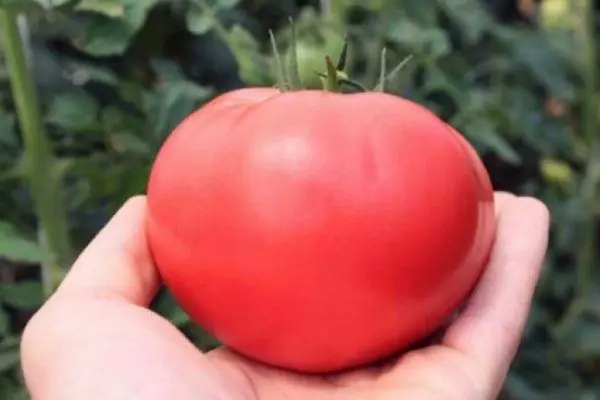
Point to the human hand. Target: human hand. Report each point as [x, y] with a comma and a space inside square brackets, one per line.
[95, 338]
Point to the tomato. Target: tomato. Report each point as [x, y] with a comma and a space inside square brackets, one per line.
[487, 221]
[318, 231]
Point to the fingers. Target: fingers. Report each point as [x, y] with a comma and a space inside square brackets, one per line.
[490, 328]
[117, 262]
[501, 199]
[95, 339]
[93, 348]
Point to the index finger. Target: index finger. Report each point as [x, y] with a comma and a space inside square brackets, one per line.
[489, 329]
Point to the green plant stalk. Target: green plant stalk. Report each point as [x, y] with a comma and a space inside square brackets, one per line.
[586, 255]
[587, 33]
[38, 159]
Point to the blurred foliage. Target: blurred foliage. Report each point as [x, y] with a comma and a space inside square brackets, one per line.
[518, 78]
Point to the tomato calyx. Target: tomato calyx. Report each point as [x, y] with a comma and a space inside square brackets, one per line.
[384, 76]
[335, 77]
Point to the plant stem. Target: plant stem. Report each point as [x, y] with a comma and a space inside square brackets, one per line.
[587, 33]
[282, 75]
[588, 256]
[38, 159]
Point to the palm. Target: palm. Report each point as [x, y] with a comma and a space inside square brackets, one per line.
[432, 373]
[96, 338]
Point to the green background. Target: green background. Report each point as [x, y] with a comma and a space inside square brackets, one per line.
[113, 77]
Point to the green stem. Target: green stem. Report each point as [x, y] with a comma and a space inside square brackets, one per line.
[587, 34]
[381, 86]
[382, 71]
[586, 255]
[282, 76]
[44, 185]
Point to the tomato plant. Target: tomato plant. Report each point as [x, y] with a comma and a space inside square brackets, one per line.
[317, 230]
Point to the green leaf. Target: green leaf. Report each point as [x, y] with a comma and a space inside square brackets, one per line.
[8, 389]
[174, 100]
[87, 72]
[169, 105]
[201, 16]
[25, 295]
[253, 69]
[533, 51]
[113, 119]
[341, 7]
[16, 247]
[518, 388]
[73, 110]
[18, 5]
[166, 306]
[583, 342]
[485, 136]
[109, 8]
[223, 4]
[593, 303]
[9, 359]
[136, 12]
[104, 36]
[216, 5]
[4, 322]
[198, 21]
[48, 4]
[429, 42]
[132, 144]
[470, 15]
[9, 342]
[168, 71]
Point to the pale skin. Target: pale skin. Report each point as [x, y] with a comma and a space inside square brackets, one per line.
[95, 338]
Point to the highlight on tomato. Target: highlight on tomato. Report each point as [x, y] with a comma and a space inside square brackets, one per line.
[318, 230]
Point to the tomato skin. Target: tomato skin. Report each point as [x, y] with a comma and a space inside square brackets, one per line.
[317, 231]
[480, 251]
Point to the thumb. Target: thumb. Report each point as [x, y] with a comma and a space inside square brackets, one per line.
[117, 262]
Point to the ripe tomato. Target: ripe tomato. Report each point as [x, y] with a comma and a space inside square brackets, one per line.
[318, 231]
[487, 222]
